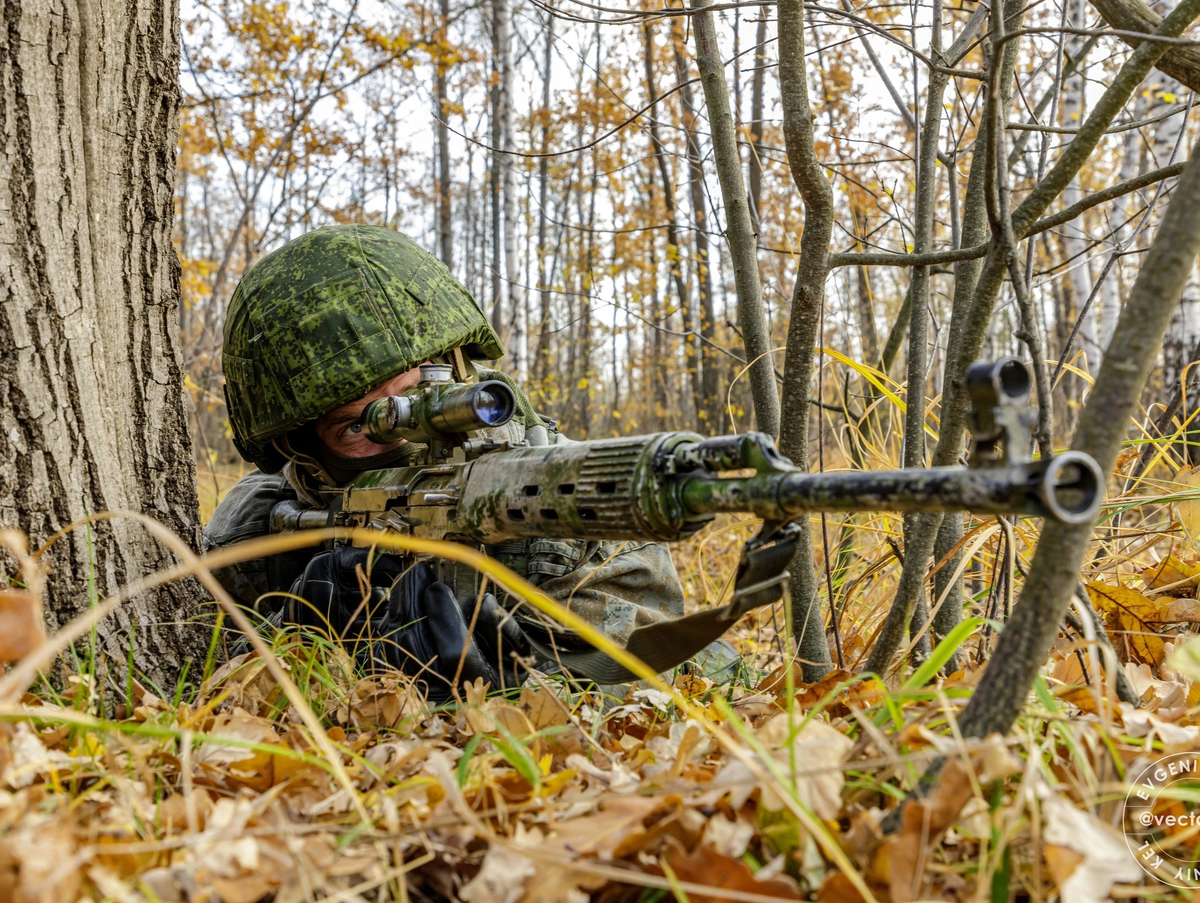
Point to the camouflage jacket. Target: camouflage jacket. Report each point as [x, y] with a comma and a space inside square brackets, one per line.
[617, 586]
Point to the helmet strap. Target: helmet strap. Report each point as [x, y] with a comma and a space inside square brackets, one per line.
[464, 370]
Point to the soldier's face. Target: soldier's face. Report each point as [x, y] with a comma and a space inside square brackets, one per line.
[339, 430]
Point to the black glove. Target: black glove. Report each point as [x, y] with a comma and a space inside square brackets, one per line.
[341, 599]
[408, 621]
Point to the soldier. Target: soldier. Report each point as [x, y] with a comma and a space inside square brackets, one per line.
[316, 330]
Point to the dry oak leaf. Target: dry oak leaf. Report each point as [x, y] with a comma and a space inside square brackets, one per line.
[1087, 858]
[902, 859]
[40, 863]
[817, 752]
[31, 760]
[624, 824]
[715, 870]
[542, 708]
[1141, 618]
[501, 879]
[247, 681]
[381, 702]
[235, 761]
[861, 694]
[1174, 576]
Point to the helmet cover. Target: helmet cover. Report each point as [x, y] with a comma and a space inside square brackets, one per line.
[327, 318]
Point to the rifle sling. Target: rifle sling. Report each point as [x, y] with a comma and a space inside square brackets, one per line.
[667, 644]
[662, 646]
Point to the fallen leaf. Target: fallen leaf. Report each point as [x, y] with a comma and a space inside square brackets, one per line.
[1185, 658]
[623, 825]
[838, 888]
[817, 752]
[542, 708]
[235, 761]
[903, 857]
[730, 838]
[501, 879]
[1139, 618]
[31, 760]
[1154, 693]
[1174, 576]
[20, 624]
[1106, 859]
[714, 869]
[1189, 509]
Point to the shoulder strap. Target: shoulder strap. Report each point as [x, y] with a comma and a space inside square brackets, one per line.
[664, 645]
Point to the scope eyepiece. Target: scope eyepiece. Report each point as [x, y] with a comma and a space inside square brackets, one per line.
[439, 412]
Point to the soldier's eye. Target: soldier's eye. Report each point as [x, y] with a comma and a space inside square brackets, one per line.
[355, 427]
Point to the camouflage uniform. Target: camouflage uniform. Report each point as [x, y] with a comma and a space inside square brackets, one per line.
[617, 586]
[326, 319]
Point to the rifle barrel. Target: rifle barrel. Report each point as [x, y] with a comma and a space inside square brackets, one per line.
[1066, 488]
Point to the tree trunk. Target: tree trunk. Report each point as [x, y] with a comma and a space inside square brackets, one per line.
[921, 530]
[1184, 328]
[514, 290]
[497, 124]
[445, 234]
[95, 417]
[807, 301]
[1131, 154]
[743, 246]
[757, 85]
[674, 248]
[1080, 276]
[708, 405]
[541, 365]
[1026, 640]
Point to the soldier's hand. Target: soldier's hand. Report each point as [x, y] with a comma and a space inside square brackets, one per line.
[344, 592]
[405, 619]
[431, 637]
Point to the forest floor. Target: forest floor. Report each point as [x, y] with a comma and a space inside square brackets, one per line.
[755, 788]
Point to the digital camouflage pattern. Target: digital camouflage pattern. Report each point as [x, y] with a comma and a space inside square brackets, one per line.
[615, 586]
[328, 317]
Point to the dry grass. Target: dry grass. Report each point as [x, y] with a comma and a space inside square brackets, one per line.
[217, 789]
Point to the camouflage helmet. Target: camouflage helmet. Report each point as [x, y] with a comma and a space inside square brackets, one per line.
[327, 318]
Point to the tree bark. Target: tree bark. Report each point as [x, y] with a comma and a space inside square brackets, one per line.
[921, 530]
[757, 85]
[739, 232]
[1182, 63]
[442, 128]
[95, 417]
[494, 162]
[674, 247]
[708, 403]
[1075, 233]
[514, 290]
[804, 328]
[1076, 154]
[1025, 642]
[541, 367]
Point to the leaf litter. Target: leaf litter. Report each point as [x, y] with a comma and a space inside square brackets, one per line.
[759, 787]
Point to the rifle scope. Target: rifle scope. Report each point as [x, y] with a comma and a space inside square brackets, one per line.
[438, 411]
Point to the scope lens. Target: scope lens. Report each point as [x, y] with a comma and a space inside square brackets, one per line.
[494, 408]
